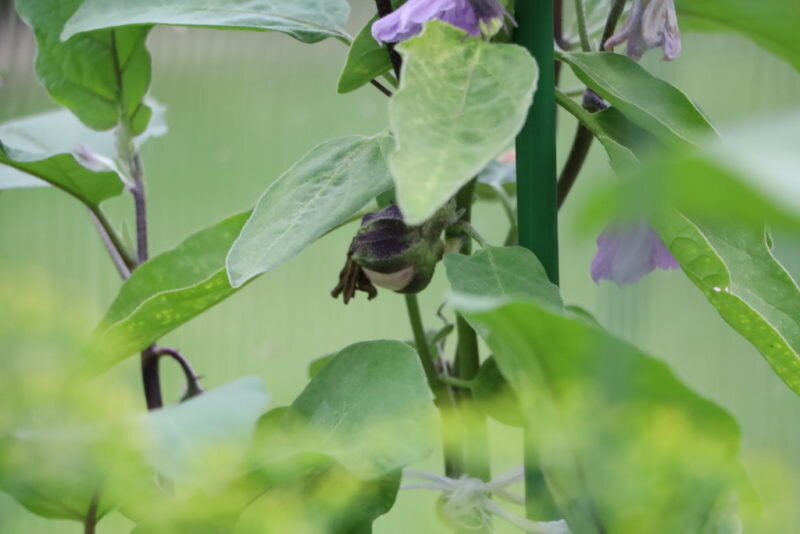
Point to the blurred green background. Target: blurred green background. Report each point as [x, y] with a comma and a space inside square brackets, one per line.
[242, 107]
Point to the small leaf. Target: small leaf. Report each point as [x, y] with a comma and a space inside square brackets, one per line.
[321, 191]
[369, 409]
[647, 101]
[770, 23]
[461, 102]
[366, 61]
[306, 20]
[166, 292]
[597, 408]
[99, 75]
[62, 171]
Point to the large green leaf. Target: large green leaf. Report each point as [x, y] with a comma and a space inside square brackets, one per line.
[461, 102]
[60, 132]
[62, 171]
[720, 243]
[366, 61]
[167, 291]
[647, 101]
[321, 191]
[623, 444]
[306, 20]
[369, 408]
[770, 23]
[102, 76]
[203, 442]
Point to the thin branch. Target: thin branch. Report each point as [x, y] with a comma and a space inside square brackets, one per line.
[140, 202]
[90, 523]
[583, 27]
[385, 8]
[558, 27]
[382, 88]
[193, 387]
[611, 22]
[119, 255]
[151, 379]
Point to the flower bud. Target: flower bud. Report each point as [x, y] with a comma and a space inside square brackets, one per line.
[387, 253]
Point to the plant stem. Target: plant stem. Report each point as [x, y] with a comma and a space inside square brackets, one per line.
[582, 143]
[140, 203]
[583, 28]
[385, 8]
[193, 387]
[119, 254]
[456, 382]
[421, 341]
[90, 523]
[472, 232]
[151, 378]
[536, 189]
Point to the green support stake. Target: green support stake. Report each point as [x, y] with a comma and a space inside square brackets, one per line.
[536, 143]
[537, 191]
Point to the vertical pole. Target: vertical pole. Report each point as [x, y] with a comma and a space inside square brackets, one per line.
[537, 190]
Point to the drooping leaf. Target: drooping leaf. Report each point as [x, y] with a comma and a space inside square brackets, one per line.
[645, 100]
[306, 20]
[166, 292]
[60, 132]
[62, 171]
[101, 76]
[369, 408]
[321, 191]
[623, 444]
[461, 102]
[720, 243]
[770, 23]
[366, 61]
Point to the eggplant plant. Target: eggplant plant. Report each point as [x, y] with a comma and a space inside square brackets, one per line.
[614, 442]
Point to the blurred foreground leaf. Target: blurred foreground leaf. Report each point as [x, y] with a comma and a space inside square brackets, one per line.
[726, 189]
[101, 76]
[321, 191]
[770, 23]
[623, 444]
[166, 292]
[306, 20]
[461, 102]
[369, 408]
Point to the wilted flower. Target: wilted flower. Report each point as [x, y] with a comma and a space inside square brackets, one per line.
[475, 17]
[650, 24]
[387, 253]
[625, 255]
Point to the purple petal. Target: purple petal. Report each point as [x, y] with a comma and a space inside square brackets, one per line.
[625, 255]
[463, 16]
[408, 20]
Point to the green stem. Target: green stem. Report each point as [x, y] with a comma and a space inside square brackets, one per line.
[472, 232]
[451, 433]
[536, 189]
[577, 111]
[583, 28]
[116, 249]
[90, 523]
[456, 382]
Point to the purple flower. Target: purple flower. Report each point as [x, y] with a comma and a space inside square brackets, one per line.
[650, 24]
[475, 17]
[625, 255]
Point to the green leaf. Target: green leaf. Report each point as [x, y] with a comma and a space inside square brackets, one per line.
[647, 101]
[728, 260]
[501, 272]
[60, 132]
[735, 269]
[102, 76]
[493, 395]
[203, 442]
[306, 20]
[321, 191]
[62, 171]
[366, 61]
[770, 23]
[461, 102]
[166, 292]
[369, 409]
[597, 409]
